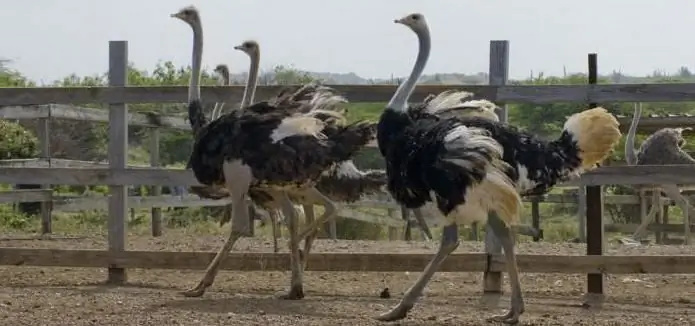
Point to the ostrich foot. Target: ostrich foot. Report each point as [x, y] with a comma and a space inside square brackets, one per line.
[396, 313]
[197, 291]
[510, 318]
[296, 293]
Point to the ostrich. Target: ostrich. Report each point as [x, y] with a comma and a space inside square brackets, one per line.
[663, 147]
[223, 79]
[474, 169]
[264, 156]
[343, 182]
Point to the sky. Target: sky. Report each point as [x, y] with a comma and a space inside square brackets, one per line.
[48, 39]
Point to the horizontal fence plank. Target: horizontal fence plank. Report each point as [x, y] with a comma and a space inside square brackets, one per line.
[347, 262]
[608, 175]
[98, 176]
[59, 163]
[356, 93]
[210, 94]
[26, 196]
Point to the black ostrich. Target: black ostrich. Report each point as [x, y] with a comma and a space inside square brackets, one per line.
[264, 151]
[472, 169]
[343, 182]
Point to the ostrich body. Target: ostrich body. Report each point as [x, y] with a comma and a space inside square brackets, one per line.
[473, 169]
[275, 153]
[664, 147]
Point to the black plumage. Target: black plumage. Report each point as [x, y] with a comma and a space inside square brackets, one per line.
[295, 161]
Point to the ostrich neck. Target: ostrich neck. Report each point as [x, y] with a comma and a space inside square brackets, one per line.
[400, 98]
[251, 83]
[194, 87]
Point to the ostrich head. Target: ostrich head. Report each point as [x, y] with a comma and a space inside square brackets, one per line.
[416, 22]
[249, 47]
[188, 14]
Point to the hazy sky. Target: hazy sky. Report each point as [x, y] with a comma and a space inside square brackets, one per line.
[49, 39]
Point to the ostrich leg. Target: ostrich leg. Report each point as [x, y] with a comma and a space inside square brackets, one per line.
[238, 186]
[450, 241]
[296, 291]
[504, 235]
[309, 239]
[273, 216]
[422, 224]
[330, 211]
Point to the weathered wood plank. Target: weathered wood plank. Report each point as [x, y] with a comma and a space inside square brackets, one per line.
[59, 163]
[26, 196]
[645, 174]
[98, 176]
[651, 124]
[136, 202]
[349, 262]
[210, 94]
[118, 157]
[355, 93]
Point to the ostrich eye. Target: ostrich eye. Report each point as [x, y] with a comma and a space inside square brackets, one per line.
[415, 17]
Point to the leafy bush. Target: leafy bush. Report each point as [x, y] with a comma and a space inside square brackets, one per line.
[16, 142]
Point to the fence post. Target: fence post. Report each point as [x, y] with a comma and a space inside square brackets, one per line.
[155, 190]
[594, 214]
[118, 154]
[499, 72]
[44, 132]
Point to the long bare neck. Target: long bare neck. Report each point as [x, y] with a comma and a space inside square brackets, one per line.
[630, 155]
[252, 82]
[400, 98]
[194, 86]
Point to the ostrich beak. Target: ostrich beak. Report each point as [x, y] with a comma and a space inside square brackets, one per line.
[238, 47]
[398, 21]
[176, 15]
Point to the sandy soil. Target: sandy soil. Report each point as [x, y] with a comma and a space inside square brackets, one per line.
[68, 296]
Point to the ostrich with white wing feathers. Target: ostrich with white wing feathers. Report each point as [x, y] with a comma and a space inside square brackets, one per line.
[263, 151]
[473, 169]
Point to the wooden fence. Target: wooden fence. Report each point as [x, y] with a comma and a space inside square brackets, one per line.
[118, 176]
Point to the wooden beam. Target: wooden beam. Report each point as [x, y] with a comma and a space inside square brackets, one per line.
[98, 176]
[58, 163]
[136, 202]
[26, 196]
[355, 93]
[346, 262]
[499, 74]
[118, 157]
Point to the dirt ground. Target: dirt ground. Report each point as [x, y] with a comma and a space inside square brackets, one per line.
[70, 296]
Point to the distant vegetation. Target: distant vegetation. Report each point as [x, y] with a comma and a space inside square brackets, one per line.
[85, 141]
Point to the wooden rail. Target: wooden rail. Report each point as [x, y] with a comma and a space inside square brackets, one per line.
[347, 262]
[355, 93]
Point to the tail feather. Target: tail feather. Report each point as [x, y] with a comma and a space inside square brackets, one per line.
[298, 125]
[350, 139]
[311, 96]
[630, 153]
[596, 133]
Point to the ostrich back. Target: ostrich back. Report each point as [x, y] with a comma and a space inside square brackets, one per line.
[292, 161]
